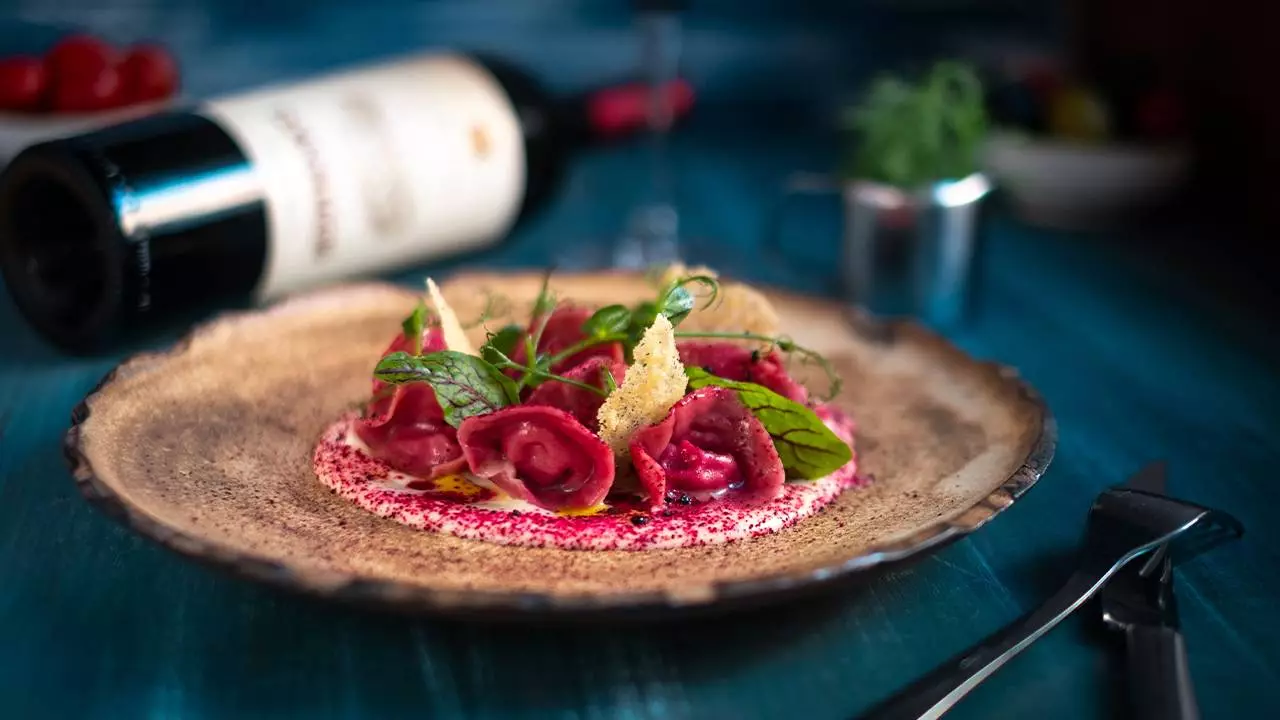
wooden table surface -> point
(1138, 358)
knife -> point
(1139, 601)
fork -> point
(1123, 525)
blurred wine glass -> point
(652, 234)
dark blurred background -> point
(1092, 315)
(783, 68)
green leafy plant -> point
(472, 385)
(909, 133)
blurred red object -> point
(80, 55)
(83, 75)
(149, 72)
(623, 109)
(88, 93)
(1044, 79)
(23, 82)
(1160, 115)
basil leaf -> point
(504, 341)
(414, 325)
(465, 385)
(808, 448)
(642, 316)
(608, 320)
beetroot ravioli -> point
(605, 428)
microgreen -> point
(468, 385)
(413, 326)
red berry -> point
(149, 73)
(79, 55)
(1043, 81)
(22, 83)
(88, 93)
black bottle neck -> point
(125, 228)
(151, 218)
(556, 128)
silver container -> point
(904, 253)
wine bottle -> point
(243, 199)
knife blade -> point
(1139, 601)
(1150, 478)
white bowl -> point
(1069, 184)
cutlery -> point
(1124, 523)
(1139, 602)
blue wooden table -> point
(1139, 359)
(1135, 360)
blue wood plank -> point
(139, 632)
(1137, 360)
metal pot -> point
(903, 252)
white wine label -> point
(378, 168)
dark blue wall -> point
(754, 60)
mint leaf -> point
(465, 385)
(502, 344)
(806, 445)
(608, 320)
(414, 325)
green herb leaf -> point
(465, 385)
(608, 320)
(806, 445)
(676, 301)
(642, 316)
(502, 343)
(538, 371)
(545, 302)
(676, 305)
(414, 325)
(911, 132)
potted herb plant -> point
(908, 134)
(911, 184)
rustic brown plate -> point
(206, 448)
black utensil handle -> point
(1160, 680)
(935, 693)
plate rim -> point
(353, 588)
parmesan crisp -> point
(455, 338)
(654, 382)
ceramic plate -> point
(206, 448)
